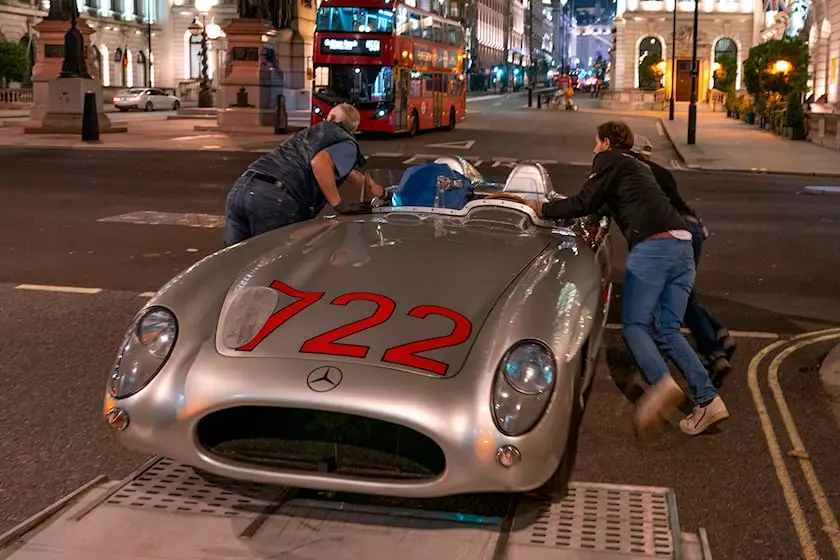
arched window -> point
(726, 64)
(97, 59)
(140, 74)
(650, 54)
(195, 57)
(118, 77)
(28, 43)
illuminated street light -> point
(715, 66)
(782, 67)
(205, 94)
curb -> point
(671, 140)
(830, 379)
(763, 171)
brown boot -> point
(653, 406)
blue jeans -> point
(703, 327)
(255, 207)
(659, 278)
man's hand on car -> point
(352, 208)
(373, 188)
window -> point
(416, 26)
(355, 84)
(428, 28)
(402, 22)
(355, 20)
(195, 57)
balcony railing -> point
(15, 98)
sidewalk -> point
(724, 144)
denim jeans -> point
(255, 207)
(703, 327)
(659, 278)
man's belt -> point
(251, 174)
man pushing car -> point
(293, 183)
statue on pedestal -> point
(74, 65)
(63, 10)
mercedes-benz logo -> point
(323, 379)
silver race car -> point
(414, 352)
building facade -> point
(822, 31)
(643, 31)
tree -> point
(761, 76)
(725, 75)
(650, 74)
(14, 63)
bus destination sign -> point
(369, 47)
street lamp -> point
(205, 94)
(692, 104)
(673, 64)
(782, 66)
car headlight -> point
(145, 348)
(524, 380)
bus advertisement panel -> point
(401, 67)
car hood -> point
(369, 286)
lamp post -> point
(692, 104)
(672, 101)
(205, 94)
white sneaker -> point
(703, 418)
(653, 405)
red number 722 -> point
(326, 343)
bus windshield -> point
(337, 83)
(355, 20)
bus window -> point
(428, 85)
(459, 36)
(451, 36)
(355, 20)
(429, 28)
(355, 84)
(416, 87)
(322, 76)
(402, 22)
(415, 25)
(437, 32)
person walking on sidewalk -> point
(715, 344)
(659, 277)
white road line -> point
(63, 289)
(191, 250)
(580, 163)
(387, 154)
(659, 129)
(197, 137)
(736, 334)
(147, 294)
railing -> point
(15, 98)
(637, 99)
(717, 100)
(823, 129)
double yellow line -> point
(830, 525)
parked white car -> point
(147, 99)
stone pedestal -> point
(252, 67)
(50, 58)
(65, 108)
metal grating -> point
(152, 218)
(599, 518)
(172, 487)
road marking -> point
(456, 145)
(735, 334)
(197, 137)
(584, 163)
(675, 164)
(147, 294)
(63, 289)
(822, 190)
(387, 154)
(830, 525)
(155, 218)
(800, 523)
(660, 129)
(192, 250)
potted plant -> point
(731, 103)
(795, 117)
(747, 110)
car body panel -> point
(515, 276)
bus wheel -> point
(415, 124)
(452, 118)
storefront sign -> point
(371, 47)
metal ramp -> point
(164, 511)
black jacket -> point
(668, 184)
(627, 187)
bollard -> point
(531, 97)
(539, 101)
(90, 119)
(281, 118)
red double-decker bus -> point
(401, 67)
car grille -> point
(318, 441)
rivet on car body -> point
(117, 418)
(508, 456)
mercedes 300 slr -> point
(414, 352)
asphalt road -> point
(769, 267)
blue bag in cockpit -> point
(418, 187)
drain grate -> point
(152, 218)
(169, 486)
(599, 517)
